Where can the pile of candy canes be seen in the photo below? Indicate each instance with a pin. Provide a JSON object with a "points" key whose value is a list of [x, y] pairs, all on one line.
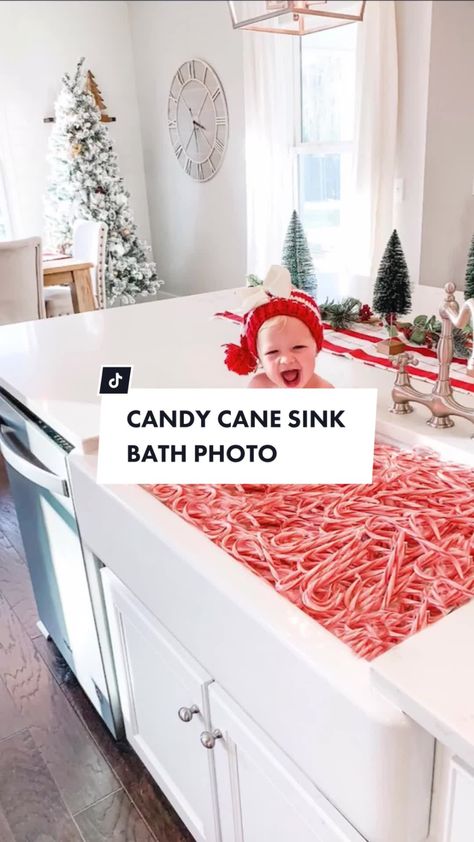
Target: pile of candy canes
{"points": [[371, 563]]}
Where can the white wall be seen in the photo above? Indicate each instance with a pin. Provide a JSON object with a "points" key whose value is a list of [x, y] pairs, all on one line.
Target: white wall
{"points": [[436, 138], [448, 203], [198, 229], [39, 41], [413, 38]]}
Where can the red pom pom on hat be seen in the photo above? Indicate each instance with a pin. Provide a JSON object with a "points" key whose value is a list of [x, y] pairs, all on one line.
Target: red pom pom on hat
{"points": [[239, 359]]}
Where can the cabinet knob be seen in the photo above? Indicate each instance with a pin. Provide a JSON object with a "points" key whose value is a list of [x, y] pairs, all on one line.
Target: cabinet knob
{"points": [[208, 738], [186, 714]]}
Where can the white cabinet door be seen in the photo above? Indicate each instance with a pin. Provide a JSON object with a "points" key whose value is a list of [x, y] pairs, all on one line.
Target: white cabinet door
{"points": [[452, 813], [157, 678], [262, 795]]}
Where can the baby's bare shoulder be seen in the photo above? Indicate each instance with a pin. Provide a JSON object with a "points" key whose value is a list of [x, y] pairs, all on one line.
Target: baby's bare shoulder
{"points": [[260, 381], [320, 383]]}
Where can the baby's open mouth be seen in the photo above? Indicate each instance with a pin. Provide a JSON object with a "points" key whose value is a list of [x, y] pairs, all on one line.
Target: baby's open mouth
{"points": [[291, 377]]}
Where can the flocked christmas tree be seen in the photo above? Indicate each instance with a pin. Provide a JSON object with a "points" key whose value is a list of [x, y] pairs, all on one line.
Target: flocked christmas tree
{"points": [[297, 257], [85, 183], [392, 295], [469, 285]]}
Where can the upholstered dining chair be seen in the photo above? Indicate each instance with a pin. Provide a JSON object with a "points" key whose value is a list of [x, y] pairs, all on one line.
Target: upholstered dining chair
{"points": [[21, 281], [89, 241]]}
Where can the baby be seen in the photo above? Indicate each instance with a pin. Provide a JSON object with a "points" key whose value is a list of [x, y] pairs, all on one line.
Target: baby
{"points": [[287, 352], [282, 331]]}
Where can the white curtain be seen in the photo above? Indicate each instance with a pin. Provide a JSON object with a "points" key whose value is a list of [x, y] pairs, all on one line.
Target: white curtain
{"points": [[370, 217], [269, 71], [7, 180]]}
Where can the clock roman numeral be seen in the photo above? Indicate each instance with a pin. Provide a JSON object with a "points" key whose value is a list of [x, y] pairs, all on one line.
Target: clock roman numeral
{"points": [[200, 171], [204, 77], [178, 150], [221, 121], [171, 124], [219, 145], [180, 77], [215, 94], [189, 166], [191, 69]]}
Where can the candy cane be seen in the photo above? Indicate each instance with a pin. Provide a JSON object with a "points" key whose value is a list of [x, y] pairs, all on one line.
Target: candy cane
{"points": [[372, 563]]}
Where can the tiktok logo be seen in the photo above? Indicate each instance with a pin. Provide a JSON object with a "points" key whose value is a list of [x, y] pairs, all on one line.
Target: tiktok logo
{"points": [[115, 380]]}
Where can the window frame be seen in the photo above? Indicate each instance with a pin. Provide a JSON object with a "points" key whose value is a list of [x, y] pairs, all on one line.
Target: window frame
{"points": [[300, 147]]}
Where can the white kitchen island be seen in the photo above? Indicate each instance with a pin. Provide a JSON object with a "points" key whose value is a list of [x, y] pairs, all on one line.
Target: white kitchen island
{"points": [[309, 747]]}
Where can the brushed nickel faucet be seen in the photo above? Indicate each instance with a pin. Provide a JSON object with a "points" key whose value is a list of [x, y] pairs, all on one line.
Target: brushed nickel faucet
{"points": [[440, 401]]}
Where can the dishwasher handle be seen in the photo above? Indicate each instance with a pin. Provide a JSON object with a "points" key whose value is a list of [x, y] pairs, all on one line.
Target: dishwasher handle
{"points": [[11, 451]]}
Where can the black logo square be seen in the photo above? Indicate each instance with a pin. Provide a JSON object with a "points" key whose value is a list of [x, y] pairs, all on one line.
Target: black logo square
{"points": [[115, 379]]}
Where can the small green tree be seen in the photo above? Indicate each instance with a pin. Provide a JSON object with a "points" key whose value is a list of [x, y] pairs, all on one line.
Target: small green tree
{"points": [[392, 294], [297, 257], [469, 285]]}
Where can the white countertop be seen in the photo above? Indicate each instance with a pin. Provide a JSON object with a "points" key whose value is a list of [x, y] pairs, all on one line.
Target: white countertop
{"points": [[430, 676], [53, 366]]}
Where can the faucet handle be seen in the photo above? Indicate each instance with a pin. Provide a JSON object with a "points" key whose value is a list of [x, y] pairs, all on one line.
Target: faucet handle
{"points": [[402, 360]]}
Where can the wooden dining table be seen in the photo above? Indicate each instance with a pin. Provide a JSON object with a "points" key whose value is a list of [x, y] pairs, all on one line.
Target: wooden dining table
{"points": [[77, 275]]}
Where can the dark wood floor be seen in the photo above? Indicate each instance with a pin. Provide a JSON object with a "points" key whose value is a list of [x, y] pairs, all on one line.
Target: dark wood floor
{"points": [[62, 776]]}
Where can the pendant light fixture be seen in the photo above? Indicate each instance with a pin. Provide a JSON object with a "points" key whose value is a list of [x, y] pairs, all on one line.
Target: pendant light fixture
{"points": [[294, 17]]}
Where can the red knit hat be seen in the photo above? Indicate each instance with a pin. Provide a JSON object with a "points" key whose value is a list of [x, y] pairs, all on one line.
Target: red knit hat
{"points": [[276, 297]]}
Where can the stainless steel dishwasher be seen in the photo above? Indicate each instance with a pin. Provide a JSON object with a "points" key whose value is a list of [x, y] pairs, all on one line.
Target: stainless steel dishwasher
{"points": [[66, 582]]}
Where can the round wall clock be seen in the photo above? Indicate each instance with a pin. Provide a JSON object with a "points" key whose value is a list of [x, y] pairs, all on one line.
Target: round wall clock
{"points": [[198, 119]]}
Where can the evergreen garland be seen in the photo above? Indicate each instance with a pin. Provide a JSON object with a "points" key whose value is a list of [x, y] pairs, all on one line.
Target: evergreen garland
{"points": [[392, 293], [462, 342], [85, 183], [427, 331], [341, 314], [253, 281], [469, 285], [297, 257]]}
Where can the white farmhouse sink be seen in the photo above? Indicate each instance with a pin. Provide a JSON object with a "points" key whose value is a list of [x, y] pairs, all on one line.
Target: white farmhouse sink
{"points": [[312, 695]]}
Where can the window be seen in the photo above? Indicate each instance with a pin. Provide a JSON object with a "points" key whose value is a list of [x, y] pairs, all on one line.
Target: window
{"points": [[324, 154], [5, 229]]}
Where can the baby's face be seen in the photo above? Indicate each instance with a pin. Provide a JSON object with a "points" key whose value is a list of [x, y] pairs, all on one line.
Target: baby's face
{"points": [[287, 353]]}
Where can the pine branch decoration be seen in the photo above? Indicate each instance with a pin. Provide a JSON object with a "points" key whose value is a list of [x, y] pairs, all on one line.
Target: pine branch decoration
{"points": [[253, 281], [427, 331], [340, 314], [461, 347]]}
